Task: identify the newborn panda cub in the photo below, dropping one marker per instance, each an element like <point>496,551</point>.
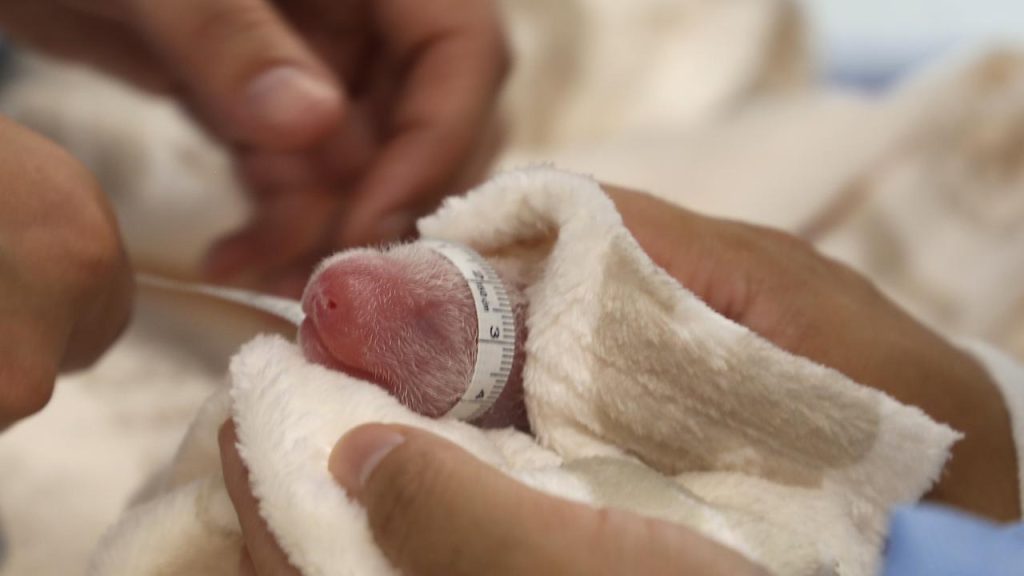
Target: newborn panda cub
<point>405,319</point>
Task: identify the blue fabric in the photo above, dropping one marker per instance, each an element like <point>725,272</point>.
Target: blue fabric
<point>934,541</point>
<point>875,44</point>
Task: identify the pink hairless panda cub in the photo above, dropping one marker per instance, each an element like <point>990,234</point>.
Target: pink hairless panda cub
<point>406,320</point>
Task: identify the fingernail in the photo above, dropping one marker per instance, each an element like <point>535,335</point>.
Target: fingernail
<point>359,452</point>
<point>288,98</point>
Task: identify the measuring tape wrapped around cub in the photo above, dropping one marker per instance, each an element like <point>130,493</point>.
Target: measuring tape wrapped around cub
<point>432,322</point>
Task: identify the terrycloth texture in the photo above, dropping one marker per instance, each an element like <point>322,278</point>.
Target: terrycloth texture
<point>717,146</point>
<point>631,381</point>
<point>173,192</point>
<point>66,474</point>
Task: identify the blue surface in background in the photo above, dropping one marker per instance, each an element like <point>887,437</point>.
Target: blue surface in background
<point>933,541</point>
<point>876,76</point>
<point>873,44</point>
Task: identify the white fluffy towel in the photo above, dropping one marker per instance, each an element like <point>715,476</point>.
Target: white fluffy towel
<point>639,396</point>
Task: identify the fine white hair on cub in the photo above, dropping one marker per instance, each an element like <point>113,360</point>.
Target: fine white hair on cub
<point>431,354</point>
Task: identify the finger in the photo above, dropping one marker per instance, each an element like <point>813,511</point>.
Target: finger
<point>65,282</point>
<point>456,61</point>
<point>286,229</point>
<point>648,218</point>
<point>269,173</point>
<point>263,554</point>
<point>27,368</point>
<point>434,509</point>
<point>337,32</point>
<point>247,68</point>
<point>108,10</point>
<point>104,314</point>
<point>708,256</point>
<point>245,565</point>
<point>348,153</point>
<point>89,39</point>
<point>290,281</point>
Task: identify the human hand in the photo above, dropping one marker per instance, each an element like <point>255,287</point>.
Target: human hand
<point>348,119</point>
<point>435,509</point>
<point>781,288</point>
<point>65,285</point>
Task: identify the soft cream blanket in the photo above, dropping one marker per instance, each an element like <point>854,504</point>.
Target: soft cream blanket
<point>640,397</point>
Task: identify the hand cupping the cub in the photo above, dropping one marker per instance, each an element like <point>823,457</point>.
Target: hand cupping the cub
<point>434,509</point>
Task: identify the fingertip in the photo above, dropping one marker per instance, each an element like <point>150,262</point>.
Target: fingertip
<point>251,71</point>
<point>291,108</point>
<point>235,475</point>
<point>29,390</point>
<point>226,434</point>
<point>356,456</point>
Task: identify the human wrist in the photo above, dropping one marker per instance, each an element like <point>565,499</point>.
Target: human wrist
<point>981,475</point>
<point>1007,374</point>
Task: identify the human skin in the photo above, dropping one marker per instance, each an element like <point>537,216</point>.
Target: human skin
<point>347,120</point>
<point>65,284</point>
<point>435,509</point>
<point>411,303</point>
<point>775,284</point>
<point>780,287</point>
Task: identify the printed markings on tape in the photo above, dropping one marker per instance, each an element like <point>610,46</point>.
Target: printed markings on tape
<point>496,329</point>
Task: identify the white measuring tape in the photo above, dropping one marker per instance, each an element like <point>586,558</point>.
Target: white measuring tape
<point>284,308</point>
<point>496,325</point>
<point>496,329</point>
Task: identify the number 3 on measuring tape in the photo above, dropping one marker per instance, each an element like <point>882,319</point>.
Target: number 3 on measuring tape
<point>495,320</point>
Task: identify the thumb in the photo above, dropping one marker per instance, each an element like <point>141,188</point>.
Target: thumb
<point>253,78</point>
<point>435,509</point>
